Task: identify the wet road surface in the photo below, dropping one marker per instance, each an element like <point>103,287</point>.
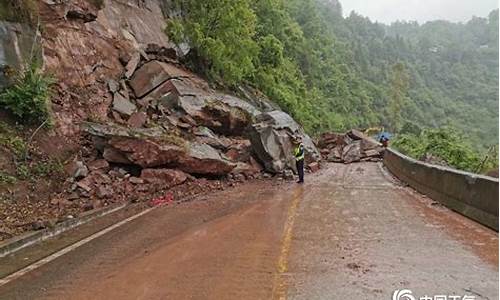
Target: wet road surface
<point>349,233</point>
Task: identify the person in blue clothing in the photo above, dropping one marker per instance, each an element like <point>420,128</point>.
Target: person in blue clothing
<point>299,154</point>
<point>384,140</point>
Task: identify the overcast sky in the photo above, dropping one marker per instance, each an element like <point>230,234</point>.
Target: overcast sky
<point>387,11</point>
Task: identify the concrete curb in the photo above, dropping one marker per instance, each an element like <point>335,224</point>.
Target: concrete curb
<point>472,195</point>
<point>17,243</point>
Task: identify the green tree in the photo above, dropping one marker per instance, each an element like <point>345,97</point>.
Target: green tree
<point>335,73</point>
<point>221,33</point>
<point>399,89</point>
<point>448,144</point>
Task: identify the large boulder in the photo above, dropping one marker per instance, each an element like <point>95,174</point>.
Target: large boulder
<point>352,152</point>
<point>367,143</point>
<point>271,140</point>
<point>153,74</point>
<point>223,114</point>
<point>152,148</point>
<point>146,152</point>
<point>204,160</point>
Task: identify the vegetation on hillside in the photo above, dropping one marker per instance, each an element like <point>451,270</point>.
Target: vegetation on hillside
<point>19,11</point>
<point>29,95</point>
<point>23,160</point>
<point>316,63</point>
<point>333,73</point>
<point>448,145</point>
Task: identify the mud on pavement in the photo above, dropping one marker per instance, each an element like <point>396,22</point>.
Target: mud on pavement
<point>349,233</point>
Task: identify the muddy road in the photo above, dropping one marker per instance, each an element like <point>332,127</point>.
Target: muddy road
<point>350,232</point>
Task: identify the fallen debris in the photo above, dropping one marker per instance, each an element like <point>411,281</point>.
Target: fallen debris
<point>349,147</point>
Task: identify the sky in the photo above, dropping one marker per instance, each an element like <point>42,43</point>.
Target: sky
<point>387,11</point>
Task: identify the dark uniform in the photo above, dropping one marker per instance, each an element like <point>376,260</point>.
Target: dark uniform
<point>299,161</point>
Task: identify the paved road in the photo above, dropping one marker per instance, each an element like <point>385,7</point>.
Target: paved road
<point>349,233</point>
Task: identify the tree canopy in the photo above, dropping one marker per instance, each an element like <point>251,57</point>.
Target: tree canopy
<point>333,73</point>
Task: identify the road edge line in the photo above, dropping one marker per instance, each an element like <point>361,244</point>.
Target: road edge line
<point>31,238</point>
<point>69,248</point>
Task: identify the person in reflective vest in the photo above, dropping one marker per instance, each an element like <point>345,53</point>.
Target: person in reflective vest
<point>299,159</point>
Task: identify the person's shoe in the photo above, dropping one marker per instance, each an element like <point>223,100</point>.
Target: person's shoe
<point>300,181</point>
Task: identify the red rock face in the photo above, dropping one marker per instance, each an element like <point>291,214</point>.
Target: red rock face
<point>168,177</point>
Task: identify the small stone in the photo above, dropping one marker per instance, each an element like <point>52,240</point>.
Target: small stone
<point>288,175</point>
<point>104,192</point>
<point>132,64</point>
<point>113,86</point>
<point>88,206</point>
<point>135,180</point>
<point>122,172</point>
<point>84,186</point>
<point>122,105</point>
<point>117,117</point>
<point>314,167</point>
<point>77,169</point>
<point>99,164</point>
<point>124,90</point>
<point>239,177</point>
<point>167,177</point>
<point>137,119</point>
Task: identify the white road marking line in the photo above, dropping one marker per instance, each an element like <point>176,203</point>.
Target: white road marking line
<point>70,248</point>
<point>59,231</point>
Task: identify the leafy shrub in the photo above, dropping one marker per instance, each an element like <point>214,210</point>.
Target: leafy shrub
<point>28,97</point>
<point>447,144</point>
<point>221,33</point>
<point>12,141</point>
<point>6,178</point>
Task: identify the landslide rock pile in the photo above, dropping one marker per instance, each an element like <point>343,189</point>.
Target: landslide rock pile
<point>151,126</point>
<point>270,136</point>
<point>349,147</point>
<point>166,120</point>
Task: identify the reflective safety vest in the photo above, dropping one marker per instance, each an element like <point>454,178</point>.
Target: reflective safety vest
<point>299,152</point>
